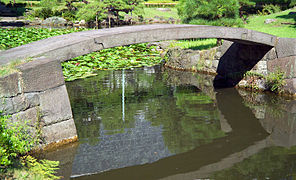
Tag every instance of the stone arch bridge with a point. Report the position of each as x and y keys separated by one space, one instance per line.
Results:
x=37 y=91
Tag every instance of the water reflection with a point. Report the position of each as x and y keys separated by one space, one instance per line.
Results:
x=154 y=123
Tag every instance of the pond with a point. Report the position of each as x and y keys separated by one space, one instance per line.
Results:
x=157 y=123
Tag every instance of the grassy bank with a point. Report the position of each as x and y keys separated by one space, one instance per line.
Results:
x=152 y=12
x=284 y=26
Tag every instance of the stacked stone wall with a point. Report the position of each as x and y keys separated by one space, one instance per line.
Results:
x=279 y=58
x=36 y=95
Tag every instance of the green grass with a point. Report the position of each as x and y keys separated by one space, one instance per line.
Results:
x=161 y=1
x=151 y=12
x=195 y=44
x=277 y=28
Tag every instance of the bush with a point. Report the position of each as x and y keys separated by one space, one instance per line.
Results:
x=269 y=9
x=43 y=12
x=212 y=12
x=276 y=81
x=284 y=4
x=15 y=140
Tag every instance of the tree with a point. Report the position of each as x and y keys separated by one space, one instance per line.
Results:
x=212 y=12
x=94 y=11
x=109 y=9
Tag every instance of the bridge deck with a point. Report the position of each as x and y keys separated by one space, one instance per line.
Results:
x=65 y=47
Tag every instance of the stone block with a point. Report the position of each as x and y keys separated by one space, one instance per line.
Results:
x=270 y=55
x=287 y=65
x=41 y=75
x=286 y=47
x=225 y=46
x=33 y=99
x=55 y=105
x=59 y=131
x=290 y=86
x=9 y=85
x=31 y=116
x=20 y=103
x=6 y=105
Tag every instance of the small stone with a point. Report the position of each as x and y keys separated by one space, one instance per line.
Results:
x=218 y=55
x=242 y=83
x=215 y=64
x=261 y=84
x=268 y=21
x=82 y=23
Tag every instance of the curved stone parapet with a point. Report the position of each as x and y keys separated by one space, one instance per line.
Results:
x=65 y=47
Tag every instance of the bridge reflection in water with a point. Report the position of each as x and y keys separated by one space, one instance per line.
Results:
x=241 y=125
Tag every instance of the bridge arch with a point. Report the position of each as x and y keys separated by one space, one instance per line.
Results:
x=65 y=47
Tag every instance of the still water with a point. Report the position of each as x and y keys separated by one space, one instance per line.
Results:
x=156 y=123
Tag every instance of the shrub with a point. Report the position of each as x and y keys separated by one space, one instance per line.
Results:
x=15 y=143
x=15 y=140
x=43 y=13
x=269 y=9
x=276 y=81
x=210 y=12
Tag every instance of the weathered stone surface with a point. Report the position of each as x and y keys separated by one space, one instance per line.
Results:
x=9 y=85
x=41 y=75
x=6 y=105
x=31 y=116
x=260 y=67
x=290 y=86
x=55 y=105
x=33 y=99
x=286 y=47
x=20 y=103
x=270 y=55
x=59 y=131
x=225 y=46
x=287 y=65
x=67 y=46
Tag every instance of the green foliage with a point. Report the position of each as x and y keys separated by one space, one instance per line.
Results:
x=282 y=3
x=43 y=13
x=98 y=10
x=43 y=169
x=210 y=12
x=269 y=9
x=114 y=58
x=14 y=37
x=94 y=11
x=276 y=81
x=15 y=140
